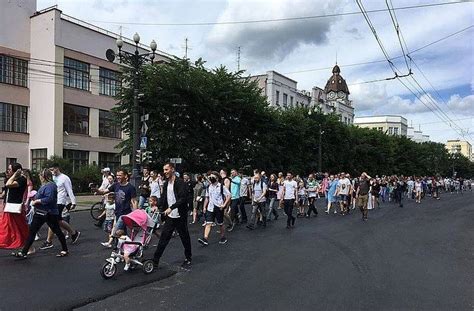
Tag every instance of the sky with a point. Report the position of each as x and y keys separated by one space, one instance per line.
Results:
x=306 y=50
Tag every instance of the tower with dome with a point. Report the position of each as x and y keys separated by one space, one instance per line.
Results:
x=335 y=97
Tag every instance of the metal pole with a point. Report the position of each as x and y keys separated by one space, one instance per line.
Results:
x=320 y=151
x=135 y=180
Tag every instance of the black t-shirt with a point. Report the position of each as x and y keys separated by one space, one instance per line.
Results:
x=123 y=198
x=15 y=195
x=364 y=187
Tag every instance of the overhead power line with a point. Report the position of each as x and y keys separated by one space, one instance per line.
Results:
x=272 y=20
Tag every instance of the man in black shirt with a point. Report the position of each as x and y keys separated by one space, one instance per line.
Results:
x=173 y=205
x=362 y=195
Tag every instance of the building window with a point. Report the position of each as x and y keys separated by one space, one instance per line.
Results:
x=108 y=127
x=13 y=118
x=277 y=97
x=285 y=100
x=109 y=82
x=381 y=129
x=78 y=158
x=76 y=119
x=395 y=130
x=13 y=70
x=76 y=74
x=345 y=120
x=390 y=130
x=110 y=160
x=38 y=159
x=291 y=101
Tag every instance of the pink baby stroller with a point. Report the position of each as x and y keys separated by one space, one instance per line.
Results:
x=140 y=228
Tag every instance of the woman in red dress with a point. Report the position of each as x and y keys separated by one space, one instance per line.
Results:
x=13 y=226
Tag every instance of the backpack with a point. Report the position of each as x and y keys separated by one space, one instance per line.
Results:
x=261 y=188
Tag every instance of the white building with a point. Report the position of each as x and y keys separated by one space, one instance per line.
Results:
x=417 y=135
x=56 y=88
x=281 y=91
x=389 y=124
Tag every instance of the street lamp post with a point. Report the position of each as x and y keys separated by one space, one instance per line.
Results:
x=320 y=145
x=135 y=60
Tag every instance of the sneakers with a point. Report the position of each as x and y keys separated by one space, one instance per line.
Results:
x=106 y=244
x=75 y=236
x=231 y=227
x=127 y=266
x=223 y=240
x=186 y=264
x=46 y=245
x=203 y=241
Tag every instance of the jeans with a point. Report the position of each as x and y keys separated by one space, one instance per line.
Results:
x=36 y=224
x=289 y=204
x=142 y=201
x=243 y=213
x=272 y=209
x=181 y=226
x=234 y=210
x=260 y=206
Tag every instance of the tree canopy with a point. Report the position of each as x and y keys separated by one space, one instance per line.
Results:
x=219 y=119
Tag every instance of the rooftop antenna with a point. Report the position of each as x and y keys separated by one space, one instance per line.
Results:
x=186 y=48
x=238 y=58
x=336 y=57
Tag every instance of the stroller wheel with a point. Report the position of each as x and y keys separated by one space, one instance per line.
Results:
x=108 y=270
x=148 y=266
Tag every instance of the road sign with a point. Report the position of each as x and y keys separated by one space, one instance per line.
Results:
x=145 y=117
x=176 y=160
x=144 y=128
x=143 y=142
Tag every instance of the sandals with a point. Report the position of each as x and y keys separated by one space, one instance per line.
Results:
x=19 y=255
x=62 y=254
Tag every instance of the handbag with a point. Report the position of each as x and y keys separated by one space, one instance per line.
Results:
x=14 y=208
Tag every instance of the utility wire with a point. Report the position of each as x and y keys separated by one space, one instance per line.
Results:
x=257 y=21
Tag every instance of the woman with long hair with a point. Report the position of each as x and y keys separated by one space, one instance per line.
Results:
x=46 y=211
x=13 y=225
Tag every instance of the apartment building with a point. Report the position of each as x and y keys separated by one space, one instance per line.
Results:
x=57 y=88
x=281 y=91
x=389 y=124
x=459 y=146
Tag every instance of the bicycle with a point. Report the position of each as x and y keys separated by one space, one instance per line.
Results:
x=97 y=208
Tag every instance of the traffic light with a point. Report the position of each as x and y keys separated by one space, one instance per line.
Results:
x=147 y=156
x=138 y=156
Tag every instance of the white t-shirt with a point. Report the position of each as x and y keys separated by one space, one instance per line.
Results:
x=290 y=187
x=64 y=189
x=109 y=211
x=171 y=200
x=244 y=187
x=418 y=187
x=155 y=188
x=344 y=185
x=257 y=190
x=213 y=193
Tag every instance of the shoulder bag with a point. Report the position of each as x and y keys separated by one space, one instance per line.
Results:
x=14 y=208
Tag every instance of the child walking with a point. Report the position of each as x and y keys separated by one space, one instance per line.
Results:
x=109 y=214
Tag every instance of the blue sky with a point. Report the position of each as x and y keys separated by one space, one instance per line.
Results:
x=301 y=45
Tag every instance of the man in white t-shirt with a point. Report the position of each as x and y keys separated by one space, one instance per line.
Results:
x=290 y=196
x=342 y=192
x=217 y=199
x=259 y=190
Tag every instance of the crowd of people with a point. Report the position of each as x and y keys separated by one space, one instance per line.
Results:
x=211 y=199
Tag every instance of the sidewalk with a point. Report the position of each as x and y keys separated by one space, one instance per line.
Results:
x=85 y=202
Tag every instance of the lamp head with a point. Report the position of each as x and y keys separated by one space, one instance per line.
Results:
x=153 y=45
x=119 y=43
x=136 y=38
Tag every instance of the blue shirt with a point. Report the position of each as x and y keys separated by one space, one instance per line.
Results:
x=123 y=198
x=48 y=194
x=235 y=187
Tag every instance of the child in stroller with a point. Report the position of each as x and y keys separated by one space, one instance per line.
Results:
x=140 y=227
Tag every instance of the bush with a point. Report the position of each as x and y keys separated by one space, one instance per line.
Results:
x=84 y=176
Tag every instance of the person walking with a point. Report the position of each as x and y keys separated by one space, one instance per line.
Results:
x=217 y=198
x=313 y=188
x=362 y=195
x=13 y=224
x=173 y=204
x=46 y=211
x=259 y=190
x=144 y=187
x=198 y=199
x=64 y=193
x=244 y=193
x=235 y=183
x=290 y=188
x=331 y=193
x=273 y=189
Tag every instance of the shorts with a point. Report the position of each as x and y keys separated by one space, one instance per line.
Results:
x=108 y=225
x=344 y=198
x=362 y=201
x=217 y=216
x=61 y=208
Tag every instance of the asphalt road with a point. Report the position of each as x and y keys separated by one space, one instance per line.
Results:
x=419 y=257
